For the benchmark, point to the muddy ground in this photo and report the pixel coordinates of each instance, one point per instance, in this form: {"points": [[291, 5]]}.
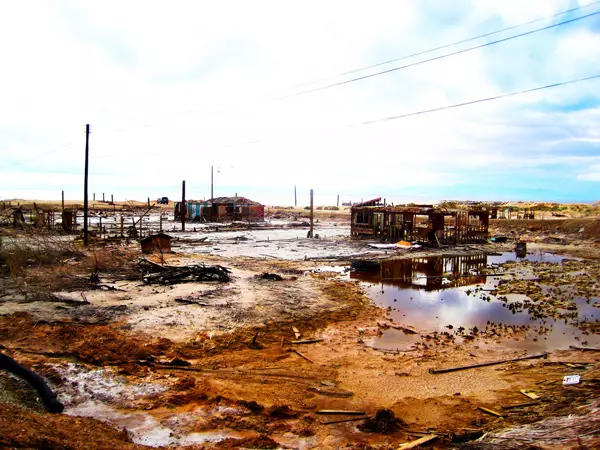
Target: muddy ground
{"points": [[214, 365]]}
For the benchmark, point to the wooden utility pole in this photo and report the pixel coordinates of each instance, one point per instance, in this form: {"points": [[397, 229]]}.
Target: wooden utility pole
{"points": [[103, 197], [183, 209], [85, 186], [63, 201], [111, 198], [338, 201], [295, 197], [211, 184], [310, 232]]}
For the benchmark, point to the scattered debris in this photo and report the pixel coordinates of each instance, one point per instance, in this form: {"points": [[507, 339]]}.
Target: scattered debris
{"points": [[385, 421], [418, 442], [307, 341], [527, 393], [296, 332], [571, 379], [303, 356], [270, 276], [585, 349], [490, 411], [182, 274]]}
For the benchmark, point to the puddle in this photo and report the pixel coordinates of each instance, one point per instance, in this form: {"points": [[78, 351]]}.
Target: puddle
{"points": [[437, 292], [110, 398]]}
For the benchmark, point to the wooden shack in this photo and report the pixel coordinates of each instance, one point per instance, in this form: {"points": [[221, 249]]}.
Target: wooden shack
{"points": [[423, 223], [156, 243]]}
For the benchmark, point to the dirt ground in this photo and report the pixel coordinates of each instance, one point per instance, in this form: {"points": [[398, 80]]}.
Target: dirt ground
{"points": [[214, 365]]}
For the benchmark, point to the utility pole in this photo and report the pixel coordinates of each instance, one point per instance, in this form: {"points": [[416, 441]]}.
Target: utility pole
{"points": [[338, 201], [103, 197], [310, 232], [183, 209], [63, 201], [211, 184], [85, 186], [295, 197], [111, 198]]}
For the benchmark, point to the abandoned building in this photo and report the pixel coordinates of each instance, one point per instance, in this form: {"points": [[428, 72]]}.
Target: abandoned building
{"points": [[222, 209], [159, 242], [422, 223]]}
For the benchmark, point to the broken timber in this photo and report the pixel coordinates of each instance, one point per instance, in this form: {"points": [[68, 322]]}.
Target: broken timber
{"points": [[180, 274], [491, 363], [341, 412], [307, 341]]}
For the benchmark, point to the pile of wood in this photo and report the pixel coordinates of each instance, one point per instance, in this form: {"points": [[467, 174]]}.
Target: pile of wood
{"points": [[157, 274]]}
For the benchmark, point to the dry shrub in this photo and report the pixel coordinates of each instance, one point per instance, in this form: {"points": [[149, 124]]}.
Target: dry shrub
{"points": [[34, 250]]}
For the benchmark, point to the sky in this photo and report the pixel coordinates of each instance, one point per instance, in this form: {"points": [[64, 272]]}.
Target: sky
{"points": [[172, 89]]}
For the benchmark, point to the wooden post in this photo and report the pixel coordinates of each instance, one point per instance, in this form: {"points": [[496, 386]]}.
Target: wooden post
{"points": [[122, 221], [63, 201], [338, 201], [183, 209], [310, 232], [103, 197], [148, 202], [141, 225], [100, 227], [295, 197], [111, 198], [85, 188]]}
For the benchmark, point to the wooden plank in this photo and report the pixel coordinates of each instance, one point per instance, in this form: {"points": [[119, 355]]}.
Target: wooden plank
{"points": [[521, 405], [341, 411], [490, 411], [418, 442], [307, 341], [303, 356], [296, 332], [491, 363], [354, 419], [585, 349], [527, 393]]}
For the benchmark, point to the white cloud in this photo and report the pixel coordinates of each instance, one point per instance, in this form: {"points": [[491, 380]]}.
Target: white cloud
{"points": [[145, 74]]}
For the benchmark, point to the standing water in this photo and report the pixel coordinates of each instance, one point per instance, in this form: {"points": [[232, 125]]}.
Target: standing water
{"points": [[455, 293]]}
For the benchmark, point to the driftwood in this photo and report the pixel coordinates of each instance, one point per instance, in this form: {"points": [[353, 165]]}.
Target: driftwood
{"points": [[303, 356], [491, 363], [180, 274], [341, 411], [48, 397]]}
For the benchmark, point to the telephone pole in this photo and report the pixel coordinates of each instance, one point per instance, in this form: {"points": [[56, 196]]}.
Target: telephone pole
{"points": [[85, 186], [310, 232], [183, 209], [295, 197], [211, 184]]}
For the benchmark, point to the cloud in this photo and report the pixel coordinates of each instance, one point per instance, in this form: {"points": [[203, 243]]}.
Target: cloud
{"points": [[172, 89]]}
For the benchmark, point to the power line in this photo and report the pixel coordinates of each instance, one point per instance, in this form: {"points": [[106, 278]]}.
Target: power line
{"points": [[458, 52], [43, 155], [423, 52], [269, 100], [472, 102]]}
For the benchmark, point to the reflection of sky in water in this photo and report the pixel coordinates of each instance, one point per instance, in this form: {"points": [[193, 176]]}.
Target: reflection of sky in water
{"points": [[432, 310]]}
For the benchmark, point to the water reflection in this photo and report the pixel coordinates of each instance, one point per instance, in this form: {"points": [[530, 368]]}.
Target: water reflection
{"points": [[435, 293]]}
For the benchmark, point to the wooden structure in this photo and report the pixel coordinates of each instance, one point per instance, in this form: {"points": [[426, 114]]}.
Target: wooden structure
{"points": [[222, 209], [422, 223], [156, 242]]}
